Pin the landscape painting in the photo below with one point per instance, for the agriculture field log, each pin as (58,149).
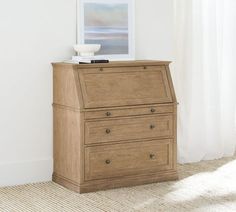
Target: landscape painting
(107,23)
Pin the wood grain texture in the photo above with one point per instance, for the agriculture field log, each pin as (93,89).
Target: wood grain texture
(119,160)
(110,183)
(66,145)
(112,64)
(171,85)
(65,88)
(134,111)
(128,128)
(122,86)
(114,124)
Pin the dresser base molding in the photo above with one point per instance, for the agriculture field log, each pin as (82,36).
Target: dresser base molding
(66,183)
(112,183)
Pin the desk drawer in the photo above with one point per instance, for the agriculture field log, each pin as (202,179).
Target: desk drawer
(111,130)
(128,159)
(135,111)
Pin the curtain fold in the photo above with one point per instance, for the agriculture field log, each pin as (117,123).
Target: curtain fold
(204,73)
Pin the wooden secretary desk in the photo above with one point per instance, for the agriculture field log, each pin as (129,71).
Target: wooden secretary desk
(114,124)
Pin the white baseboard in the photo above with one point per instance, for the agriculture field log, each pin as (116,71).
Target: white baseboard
(25,172)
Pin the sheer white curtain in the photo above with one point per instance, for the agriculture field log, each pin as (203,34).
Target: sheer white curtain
(205,78)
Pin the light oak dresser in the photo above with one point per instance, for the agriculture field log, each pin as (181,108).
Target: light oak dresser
(114,124)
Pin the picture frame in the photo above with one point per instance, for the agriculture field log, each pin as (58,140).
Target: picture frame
(109,23)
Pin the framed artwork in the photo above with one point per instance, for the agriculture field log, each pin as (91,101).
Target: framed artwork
(109,23)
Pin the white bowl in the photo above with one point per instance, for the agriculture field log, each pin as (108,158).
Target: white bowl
(87,49)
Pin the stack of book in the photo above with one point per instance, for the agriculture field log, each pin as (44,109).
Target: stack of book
(87,60)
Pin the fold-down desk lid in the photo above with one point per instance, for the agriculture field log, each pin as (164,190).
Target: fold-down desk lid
(125,86)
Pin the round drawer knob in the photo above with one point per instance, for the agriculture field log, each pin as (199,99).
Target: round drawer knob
(153,110)
(108,113)
(152,126)
(101,69)
(145,67)
(107,161)
(108,131)
(152,156)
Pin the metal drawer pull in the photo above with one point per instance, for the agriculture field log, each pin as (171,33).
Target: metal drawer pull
(152,126)
(108,113)
(107,161)
(108,131)
(152,156)
(153,110)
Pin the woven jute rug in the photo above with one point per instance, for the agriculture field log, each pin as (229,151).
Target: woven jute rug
(205,186)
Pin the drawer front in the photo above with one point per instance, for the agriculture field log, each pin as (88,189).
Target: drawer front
(128,159)
(129,128)
(124,86)
(147,110)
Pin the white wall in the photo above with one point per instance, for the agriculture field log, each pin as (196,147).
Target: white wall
(154,29)
(33,33)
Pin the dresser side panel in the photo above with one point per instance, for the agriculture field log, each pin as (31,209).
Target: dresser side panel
(175,139)
(65,87)
(67,145)
(171,83)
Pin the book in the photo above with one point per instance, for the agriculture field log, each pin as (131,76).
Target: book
(88,60)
